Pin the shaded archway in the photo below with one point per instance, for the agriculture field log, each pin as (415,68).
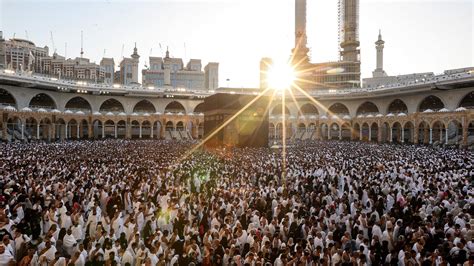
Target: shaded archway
(301,131)
(309,110)
(431,102)
(454,133)
(31,128)
(157,128)
(78,104)
(45,129)
(146,129)
(396,133)
(42,100)
(374,131)
(199,108)
(278,110)
(7,99)
(365,132)
(423,133)
(367,108)
(470,133)
(356,132)
(144,106)
(438,131)
(60,125)
(14,128)
(397,106)
(346,131)
(121,129)
(338,109)
(175,108)
(468,101)
(279,131)
(111,105)
(109,129)
(169,128)
(72,129)
(98,129)
(271,131)
(385,132)
(135,129)
(334,131)
(201,130)
(84,129)
(408,132)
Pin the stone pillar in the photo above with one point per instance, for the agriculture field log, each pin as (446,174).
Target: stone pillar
(329,132)
(403,135)
(103,130)
(431,136)
(115,130)
(426,135)
(340,133)
(318,132)
(360,133)
(391,134)
(90,132)
(151,131)
(37,131)
(65,130)
(416,134)
(163,130)
(140,131)
(22,130)
(379,134)
(370,133)
(78,136)
(446,136)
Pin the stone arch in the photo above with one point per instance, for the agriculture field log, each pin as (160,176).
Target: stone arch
(278,110)
(271,130)
(169,126)
(430,102)
(175,107)
(78,103)
(454,132)
(199,108)
(338,109)
(385,132)
(397,106)
(334,131)
(97,129)
(144,106)
(180,126)
(7,99)
(146,129)
(42,100)
(470,133)
(84,129)
(365,131)
(109,128)
(356,131)
(309,109)
(367,108)
(346,131)
(134,129)
(467,101)
(201,130)
(111,105)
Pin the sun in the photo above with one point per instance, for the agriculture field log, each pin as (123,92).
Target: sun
(281,76)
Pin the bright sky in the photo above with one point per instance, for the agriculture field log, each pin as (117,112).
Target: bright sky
(420,35)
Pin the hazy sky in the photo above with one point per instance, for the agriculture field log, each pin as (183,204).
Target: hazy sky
(420,35)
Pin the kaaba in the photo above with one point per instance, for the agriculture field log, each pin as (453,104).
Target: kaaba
(247,129)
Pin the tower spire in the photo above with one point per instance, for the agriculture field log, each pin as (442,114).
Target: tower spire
(300,51)
(82,45)
(379,45)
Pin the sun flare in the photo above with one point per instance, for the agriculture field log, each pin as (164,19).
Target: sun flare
(281,76)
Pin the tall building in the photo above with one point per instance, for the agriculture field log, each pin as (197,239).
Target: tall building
(108,65)
(23,55)
(128,74)
(74,69)
(343,73)
(2,51)
(171,72)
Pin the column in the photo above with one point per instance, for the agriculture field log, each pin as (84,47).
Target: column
(37,131)
(65,131)
(329,132)
(391,134)
(140,130)
(431,136)
(403,135)
(440,134)
(103,130)
(318,131)
(465,129)
(446,136)
(340,133)
(360,133)
(78,131)
(151,132)
(115,130)
(22,130)
(90,132)
(370,133)
(4,131)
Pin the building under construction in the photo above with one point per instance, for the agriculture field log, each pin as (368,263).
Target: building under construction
(343,72)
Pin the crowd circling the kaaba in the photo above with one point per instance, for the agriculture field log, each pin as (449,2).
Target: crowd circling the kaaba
(150,202)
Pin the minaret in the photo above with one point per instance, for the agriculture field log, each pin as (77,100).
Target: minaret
(379,45)
(300,52)
(135,62)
